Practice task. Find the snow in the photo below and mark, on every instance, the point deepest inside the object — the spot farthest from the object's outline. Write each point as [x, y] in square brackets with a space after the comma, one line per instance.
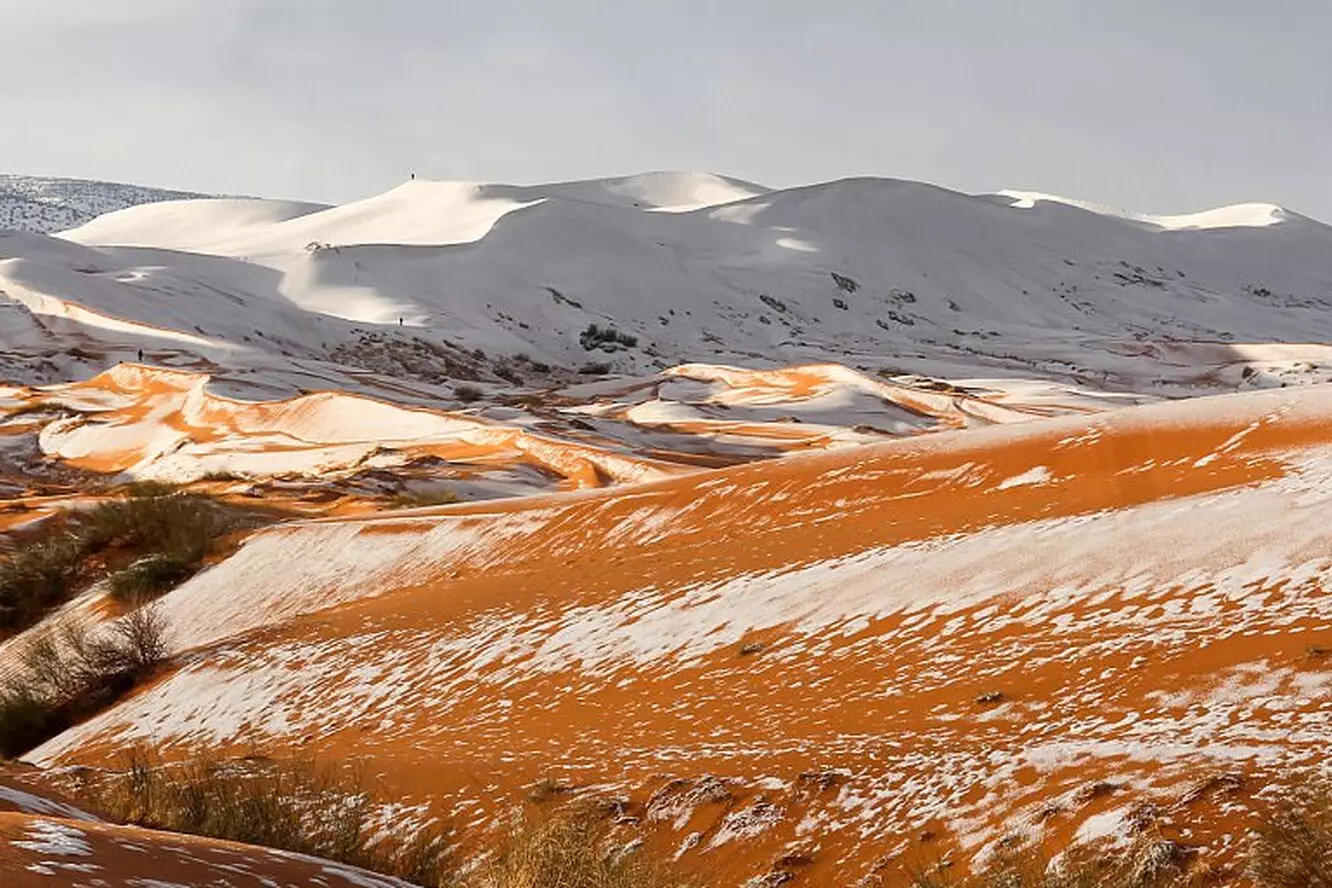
[54, 837]
[33, 804]
[32, 203]
[875, 274]
[1246, 215]
[1000, 339]
[1036, 475]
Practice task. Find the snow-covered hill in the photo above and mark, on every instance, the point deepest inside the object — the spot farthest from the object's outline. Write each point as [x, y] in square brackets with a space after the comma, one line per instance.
[641, 273]
[912, 539]
[40, 204]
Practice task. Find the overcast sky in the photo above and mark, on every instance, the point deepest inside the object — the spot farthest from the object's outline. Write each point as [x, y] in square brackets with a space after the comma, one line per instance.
[1154, 105]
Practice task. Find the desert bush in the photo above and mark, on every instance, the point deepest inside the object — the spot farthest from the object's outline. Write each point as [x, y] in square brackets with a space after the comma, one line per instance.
[169, 521]
[149, 489]
[572, 850]
[1293, 847]
[296, 806]
[605, 337]
[169, 532]
[36, 578]
[1149, 862]
[68, 672]
[150, 576]
[222, 475]
[174, 531]
[467, 393]
[414, 499]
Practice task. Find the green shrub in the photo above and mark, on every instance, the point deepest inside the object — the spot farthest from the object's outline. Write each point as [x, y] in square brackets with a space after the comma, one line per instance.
[170, 533]
[166, 523]
[36, 578]
[149, 577]
[25, 720]
[150, 489]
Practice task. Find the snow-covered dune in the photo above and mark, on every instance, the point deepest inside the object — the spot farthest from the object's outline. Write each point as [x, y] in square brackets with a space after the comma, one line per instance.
[43, 204]
[863, 659]
[819, 533]
[873, 273]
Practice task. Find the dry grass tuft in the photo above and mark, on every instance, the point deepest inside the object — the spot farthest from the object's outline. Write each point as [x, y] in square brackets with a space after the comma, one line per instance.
[1293, 847]
[1150, 862]
[293, 806]
[572, 850]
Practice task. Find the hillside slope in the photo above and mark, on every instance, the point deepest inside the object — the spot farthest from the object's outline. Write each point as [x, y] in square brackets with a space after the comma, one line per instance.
[45, 205]
[632, 275]
[816, 535]
[45, 841]
[860, 661]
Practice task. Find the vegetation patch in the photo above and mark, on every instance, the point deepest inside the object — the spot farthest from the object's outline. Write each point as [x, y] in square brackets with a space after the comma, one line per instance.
[69, 672]
[296, 806]
[844, 283]
[415, 499]
[467, 393]
[605, 338]
[156, 537]
[573, 849]
[1293, 847]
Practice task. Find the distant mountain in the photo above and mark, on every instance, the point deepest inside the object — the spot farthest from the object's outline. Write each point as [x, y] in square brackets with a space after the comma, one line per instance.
[42, 205]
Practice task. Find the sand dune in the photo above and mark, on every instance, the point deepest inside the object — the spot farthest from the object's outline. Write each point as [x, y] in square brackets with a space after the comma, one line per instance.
[820, 534]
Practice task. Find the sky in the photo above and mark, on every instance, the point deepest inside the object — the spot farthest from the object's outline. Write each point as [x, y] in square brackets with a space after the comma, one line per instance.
[1150, 105]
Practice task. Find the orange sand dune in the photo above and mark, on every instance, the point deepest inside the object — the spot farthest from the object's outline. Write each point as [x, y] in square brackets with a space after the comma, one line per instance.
[840, 665]
[165, 424]
[39, 852]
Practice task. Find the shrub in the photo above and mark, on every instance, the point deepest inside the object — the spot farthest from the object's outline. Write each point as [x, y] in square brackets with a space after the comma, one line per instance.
[1150, 862]
[67, 673]
[150, 489]
[571, 850]
[222, 475]
[295, 806]
[149, 577]
[167, 533]
[844, 283]
[508, 374]
[174, 531]
[413, 499]
[595, 368]
[166, 522]
[1293, 847]
[37, 578]
[467, 393]
[600, 337]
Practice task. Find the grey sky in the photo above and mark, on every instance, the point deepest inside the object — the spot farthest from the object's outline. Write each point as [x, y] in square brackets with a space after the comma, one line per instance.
[1155, 105]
